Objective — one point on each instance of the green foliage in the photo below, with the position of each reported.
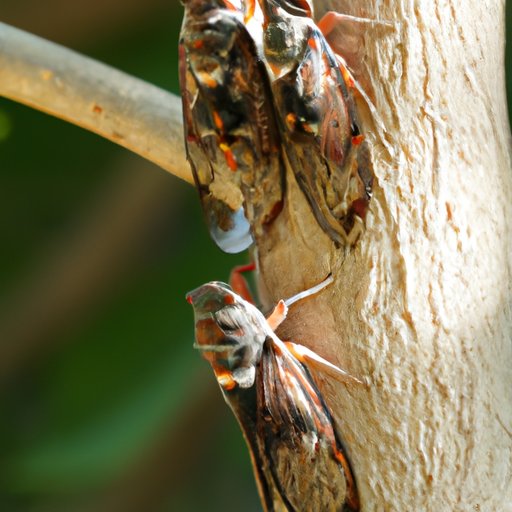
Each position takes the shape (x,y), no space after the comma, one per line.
(95,393)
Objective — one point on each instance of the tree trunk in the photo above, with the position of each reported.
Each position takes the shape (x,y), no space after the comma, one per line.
(421,306)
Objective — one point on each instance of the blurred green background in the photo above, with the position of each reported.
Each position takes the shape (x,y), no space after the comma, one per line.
(104,404)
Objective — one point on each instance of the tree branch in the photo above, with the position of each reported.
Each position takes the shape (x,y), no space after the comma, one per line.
(128,111)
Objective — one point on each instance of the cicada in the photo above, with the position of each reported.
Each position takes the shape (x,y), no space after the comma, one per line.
(262,89)
(231,134)
(313,94)
(297,456)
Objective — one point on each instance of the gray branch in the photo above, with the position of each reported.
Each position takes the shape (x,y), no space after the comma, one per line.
(128,111)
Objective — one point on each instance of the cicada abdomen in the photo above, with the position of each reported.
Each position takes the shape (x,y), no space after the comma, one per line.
(232,140)
(314,102)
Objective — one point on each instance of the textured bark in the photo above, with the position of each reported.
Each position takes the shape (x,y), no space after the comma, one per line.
(421,306)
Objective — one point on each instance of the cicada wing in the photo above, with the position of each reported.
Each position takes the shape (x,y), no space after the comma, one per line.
(305,457)
(243,404)
(231,134)
(326,150)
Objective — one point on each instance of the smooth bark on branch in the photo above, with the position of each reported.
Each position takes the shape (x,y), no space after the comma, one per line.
(421,307)
(128,111)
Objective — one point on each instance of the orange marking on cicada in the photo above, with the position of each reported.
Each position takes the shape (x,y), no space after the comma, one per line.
(291,120)
(352,497)
(357,139)
(308,128)
(347,77)
(229,156)
(230,6)
(277,316)
(292,347)
(219,123)
(229,300)
(276,69)
(198,44)
(312,43)
(225,379)
(209,81)
(249,13)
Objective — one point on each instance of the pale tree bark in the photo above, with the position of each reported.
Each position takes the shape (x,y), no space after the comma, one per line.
(421,307)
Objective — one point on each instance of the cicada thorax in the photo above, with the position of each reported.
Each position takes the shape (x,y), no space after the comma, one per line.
(314,103)
(233,143)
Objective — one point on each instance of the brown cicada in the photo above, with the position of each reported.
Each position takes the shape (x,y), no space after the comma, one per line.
(313,94)
(297,457)
(261,86)
(231,134)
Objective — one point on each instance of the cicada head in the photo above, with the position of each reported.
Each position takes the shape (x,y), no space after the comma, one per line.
(285,22)
(230,333)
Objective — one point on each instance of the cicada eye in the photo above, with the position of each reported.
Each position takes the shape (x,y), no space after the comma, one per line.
(236,356)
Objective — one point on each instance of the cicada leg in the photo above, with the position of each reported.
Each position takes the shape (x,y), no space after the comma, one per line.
(313,360)
(345,34)
(276,318)
(331,20)
(238,282)
(281,309)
